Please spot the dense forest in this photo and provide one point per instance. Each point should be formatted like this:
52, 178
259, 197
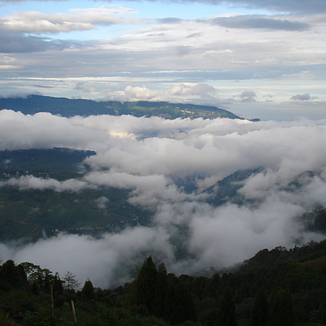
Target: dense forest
274, 288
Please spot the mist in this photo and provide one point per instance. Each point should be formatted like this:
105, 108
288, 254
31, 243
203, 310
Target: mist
148, 156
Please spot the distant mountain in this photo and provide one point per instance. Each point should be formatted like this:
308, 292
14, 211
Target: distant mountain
72, 107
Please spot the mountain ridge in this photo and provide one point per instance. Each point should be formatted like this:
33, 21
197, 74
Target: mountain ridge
71, 107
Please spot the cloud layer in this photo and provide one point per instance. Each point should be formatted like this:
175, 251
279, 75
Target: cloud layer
150, 156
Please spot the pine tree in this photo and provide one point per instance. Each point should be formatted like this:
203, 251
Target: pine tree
281, 309
227, 315
88, 290
170, 304
185, 303
260, 310
161, 285
146, 285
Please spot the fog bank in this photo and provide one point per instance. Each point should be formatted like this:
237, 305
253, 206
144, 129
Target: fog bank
148, 156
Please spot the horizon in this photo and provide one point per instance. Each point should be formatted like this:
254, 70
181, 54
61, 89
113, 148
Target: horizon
264, 60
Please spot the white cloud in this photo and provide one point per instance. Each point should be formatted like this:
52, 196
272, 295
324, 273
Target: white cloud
147, 156
139, 93
101, 202
108, 256
43, 130
79, 20
31, 182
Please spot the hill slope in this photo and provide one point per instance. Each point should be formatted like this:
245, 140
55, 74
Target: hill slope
71, 107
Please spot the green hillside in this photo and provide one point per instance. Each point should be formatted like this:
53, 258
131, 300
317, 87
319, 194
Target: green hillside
33, 212
71, 107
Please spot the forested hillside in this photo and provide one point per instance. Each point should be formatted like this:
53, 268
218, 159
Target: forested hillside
70, 107
36, 211
274, 288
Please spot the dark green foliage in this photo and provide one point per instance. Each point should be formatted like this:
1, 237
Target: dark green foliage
227, 315
12, 276
260, 310
161, 296
57, 284
179, 304
146, 285
170, 304
233, 298
161, 285
281, 309
184, 303
88, 290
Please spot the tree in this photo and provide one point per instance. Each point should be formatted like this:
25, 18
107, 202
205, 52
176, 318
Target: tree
71, 283
281, 309
35, 272
185, 304
227, 315
170, 303
161, 285
260, 311
57, 284
12, 276
88, 290
146, 285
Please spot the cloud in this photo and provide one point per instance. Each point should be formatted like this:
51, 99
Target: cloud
111, 255
79, 20
289, 5
248, 96
257, 21
85, 87
30, 182
154, 158
190, 89
183, 50
301, 97
143, 58
170, 20
101, 202
12, 42
137, 93
43, 130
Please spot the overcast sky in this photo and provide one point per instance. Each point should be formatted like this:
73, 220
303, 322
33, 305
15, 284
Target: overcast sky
255, 58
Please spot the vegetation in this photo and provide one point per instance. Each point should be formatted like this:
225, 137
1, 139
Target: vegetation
274, 288
71, 107
29, 213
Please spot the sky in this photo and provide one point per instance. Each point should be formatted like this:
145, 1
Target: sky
263, 59
148, 156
